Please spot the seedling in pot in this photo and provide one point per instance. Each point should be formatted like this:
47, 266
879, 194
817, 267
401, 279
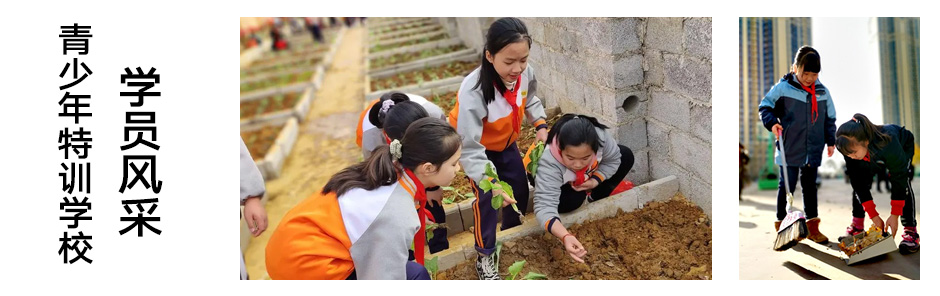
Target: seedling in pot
497, 200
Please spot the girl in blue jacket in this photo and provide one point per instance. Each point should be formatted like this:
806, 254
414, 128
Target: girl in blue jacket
799, 108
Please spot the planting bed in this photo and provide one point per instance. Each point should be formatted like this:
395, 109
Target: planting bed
404, 33
280, 66
403, 43
663, 240
402, 58
452, 69
384, 29
269, 104
281, 80
259, 141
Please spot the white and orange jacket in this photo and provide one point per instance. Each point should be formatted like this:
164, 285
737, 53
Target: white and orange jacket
368, 136
491, 126
328, 237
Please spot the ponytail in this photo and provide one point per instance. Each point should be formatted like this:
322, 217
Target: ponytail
575, 129
853, 132
378, 112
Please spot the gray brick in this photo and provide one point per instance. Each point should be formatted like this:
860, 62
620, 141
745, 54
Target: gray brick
628, 71
691, 154
698, 37
702, 122
640, 173
692, 77
633, 134
653, 66
670, 109
569, 41
552, 37
536, 55
599, 35
661, 167
536, 27
664, 34
625, 35
602, 72
699, 192
657, 139
639, 111
575, 92
560, 85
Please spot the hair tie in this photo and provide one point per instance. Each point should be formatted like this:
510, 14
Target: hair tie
855, 120
386, 105
395, 148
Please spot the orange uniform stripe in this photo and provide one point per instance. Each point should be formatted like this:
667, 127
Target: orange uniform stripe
310, 242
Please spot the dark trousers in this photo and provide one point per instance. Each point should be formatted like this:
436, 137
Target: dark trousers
439, 241
907, 216
572, 200
509, 168
807, 177
413, 271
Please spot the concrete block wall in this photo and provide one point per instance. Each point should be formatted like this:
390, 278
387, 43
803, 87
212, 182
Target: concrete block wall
649, 79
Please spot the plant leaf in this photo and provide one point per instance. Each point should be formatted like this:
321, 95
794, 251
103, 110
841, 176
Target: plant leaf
431, 266
496, 202
533, 276
505, 187
447, 188
485, 185
490, 171
515, 268
448, 200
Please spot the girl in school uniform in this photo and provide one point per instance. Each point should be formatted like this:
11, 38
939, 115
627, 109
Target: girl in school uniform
385, 120
582, 161
491, 103
800, 109
364, 221
868, 149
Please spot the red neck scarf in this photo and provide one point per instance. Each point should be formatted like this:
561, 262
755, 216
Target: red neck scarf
812, 90
510, 96
422, 198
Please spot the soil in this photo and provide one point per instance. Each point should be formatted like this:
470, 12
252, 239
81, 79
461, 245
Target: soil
259, 141
282, 80
269, 104
378, 48
428, 74
402, 58
664, 240
285, 66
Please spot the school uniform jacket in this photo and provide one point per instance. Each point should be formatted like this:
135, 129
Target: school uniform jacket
553, 174
804, 139
491, 126
369, 137
327, 237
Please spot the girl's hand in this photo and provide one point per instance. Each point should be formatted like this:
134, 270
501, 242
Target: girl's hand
255, 216
574, 248
587, 185
876, 220
777, 129
830, 149
506, 199
542, 135
892, 223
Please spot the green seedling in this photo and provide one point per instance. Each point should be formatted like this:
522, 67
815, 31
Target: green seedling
516, 268
431, 266
534, 157
497, 200
430, 227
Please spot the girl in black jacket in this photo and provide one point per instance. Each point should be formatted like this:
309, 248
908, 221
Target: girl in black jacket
868, 148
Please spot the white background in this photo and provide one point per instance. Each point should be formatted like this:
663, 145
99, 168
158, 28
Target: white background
193, 46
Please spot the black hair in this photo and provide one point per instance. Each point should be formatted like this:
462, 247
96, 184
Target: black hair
807, 58
575, 129
376, 116
860, 129
399, 117
427, 140
502, 32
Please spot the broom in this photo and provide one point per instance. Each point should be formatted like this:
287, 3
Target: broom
793, 227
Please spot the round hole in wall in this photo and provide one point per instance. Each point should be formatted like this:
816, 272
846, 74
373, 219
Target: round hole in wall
630, 103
